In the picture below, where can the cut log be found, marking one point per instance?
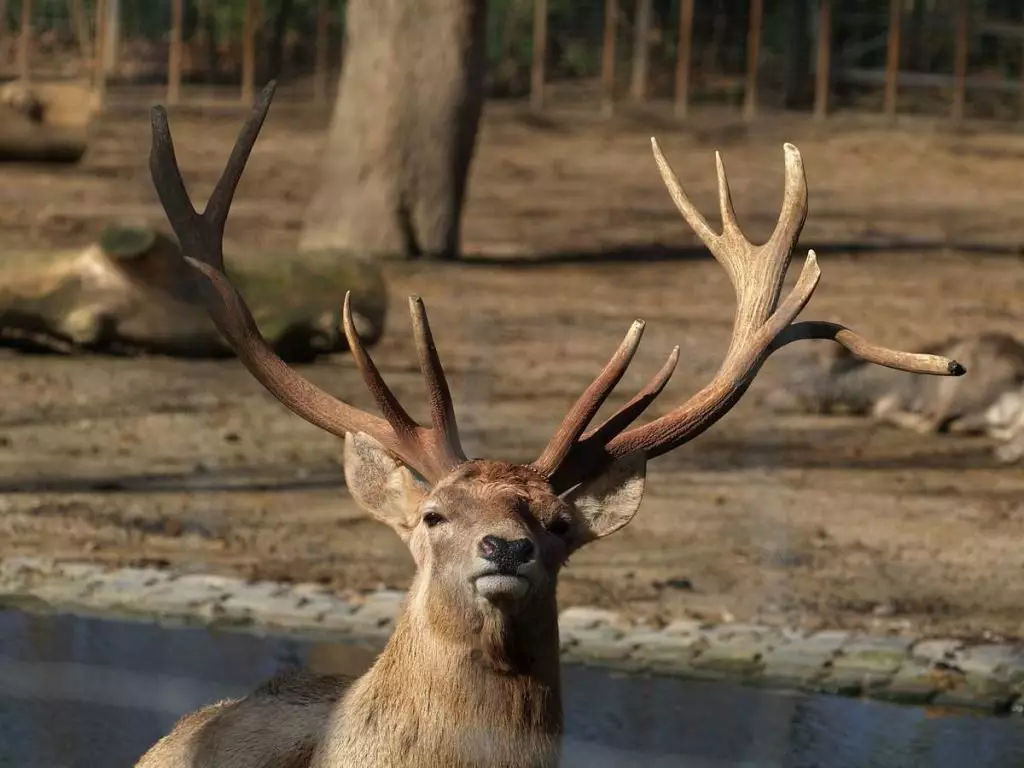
(45, 122)
(131, 293)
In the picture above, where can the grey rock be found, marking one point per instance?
(59, 592)
(979, 692)
(865, 663)
(583, 618)
(593, 636)
(990, 660)
(804, 660)
(737, 653)
(915, 682)
(126, 587)
(936, 650)
(688, 627)
(80, 570)
(185, 594)
(377, 613)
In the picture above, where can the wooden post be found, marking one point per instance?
(99, 71)
(320, 65)
(249, 52)
(822, 78)
(641, 46)
(1020, 111)
(684, 53)
(540, 49)
(961, 47)
(174, 55)
(25, 40)
(76, 9)
(892, 59)
(112, 36)
(611, 28)
(753, 56)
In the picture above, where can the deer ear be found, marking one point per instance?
(609, 501)
(381, 484)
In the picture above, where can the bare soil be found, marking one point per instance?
(806, 520)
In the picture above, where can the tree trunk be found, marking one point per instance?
(403, 131)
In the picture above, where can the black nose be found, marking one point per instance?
(507, 555)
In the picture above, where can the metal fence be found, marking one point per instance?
(962, 58)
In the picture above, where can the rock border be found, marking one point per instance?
(984, 677)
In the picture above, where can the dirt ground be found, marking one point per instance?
(810, 521)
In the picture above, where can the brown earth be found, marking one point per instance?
(815, 521)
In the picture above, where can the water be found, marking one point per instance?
(78, 692)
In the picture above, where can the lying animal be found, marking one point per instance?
(833, 380)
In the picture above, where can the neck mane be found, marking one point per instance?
(468, 688)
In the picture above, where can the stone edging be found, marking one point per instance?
(941, 672)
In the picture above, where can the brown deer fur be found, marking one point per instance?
(491, 667)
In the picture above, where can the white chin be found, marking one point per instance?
(500, 587)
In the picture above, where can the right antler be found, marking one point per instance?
(432, 452)
(762, 324)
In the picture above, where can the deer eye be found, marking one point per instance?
(558, 527)
(432, 518)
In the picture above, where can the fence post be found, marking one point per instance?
(892, 59)
(25, 40)
(249, 52)
(320, 65)
(684, 53)
(753, 56)
(611, 28)
(962, 43)
(822, 79)
(99, 71)
(540, 49)
(112, 37)
(641, 45)
(1020, 108)
(174, 54)
(81, 26)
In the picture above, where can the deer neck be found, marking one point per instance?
(468, 687)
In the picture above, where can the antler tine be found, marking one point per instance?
(588, 404)
(934, 365)
(201, 239)
(762, 324)
(394, 413)
(588, 449)
(442, 408)
(639, 403)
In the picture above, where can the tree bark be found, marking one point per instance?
(403, 132)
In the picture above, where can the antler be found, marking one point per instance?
(762, 324)
(431, 452)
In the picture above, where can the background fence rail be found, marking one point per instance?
(961, 58)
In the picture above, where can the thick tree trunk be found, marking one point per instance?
(404, 129)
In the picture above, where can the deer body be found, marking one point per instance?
(470, 677)
(840, 382)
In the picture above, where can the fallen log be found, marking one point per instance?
(45, 122)
(130, 293)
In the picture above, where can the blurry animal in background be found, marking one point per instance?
(988, 401)
(1005, 422)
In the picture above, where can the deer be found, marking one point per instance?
(1004, 421)
(470, 675)
(834, 380)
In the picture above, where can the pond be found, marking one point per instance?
(77, 692)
